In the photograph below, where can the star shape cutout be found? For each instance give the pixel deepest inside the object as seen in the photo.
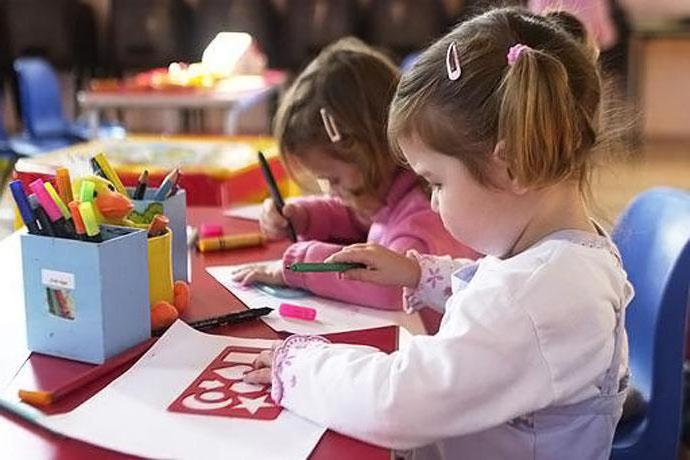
(253, 404)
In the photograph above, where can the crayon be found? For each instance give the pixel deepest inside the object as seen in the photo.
(142, 183)
(166, 186)
(230, 242)
(158, 225)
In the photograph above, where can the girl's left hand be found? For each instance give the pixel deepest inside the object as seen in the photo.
(268, 274)
(262, 369)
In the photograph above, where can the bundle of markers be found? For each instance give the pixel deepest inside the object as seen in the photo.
(44, 211)
(168, 187)
(50, 212)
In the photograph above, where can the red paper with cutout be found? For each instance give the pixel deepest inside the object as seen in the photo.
(219, 390)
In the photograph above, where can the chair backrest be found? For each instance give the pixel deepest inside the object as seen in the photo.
(653, 236)
(405, 26)
(40, 98)
(256, 17)
(151, 33)
(310, 25)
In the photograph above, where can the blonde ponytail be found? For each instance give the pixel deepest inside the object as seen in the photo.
(538, 120)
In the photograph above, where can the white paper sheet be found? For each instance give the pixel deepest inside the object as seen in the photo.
(130, 415)
(332, 315)
(248, 212)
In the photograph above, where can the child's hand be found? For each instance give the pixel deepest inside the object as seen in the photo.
(275, 226)
(262, 368)
(383, 265)
(268, 274)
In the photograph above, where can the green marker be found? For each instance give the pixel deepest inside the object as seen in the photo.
(324, 267)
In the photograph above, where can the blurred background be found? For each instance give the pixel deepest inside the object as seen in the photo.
(110, 60)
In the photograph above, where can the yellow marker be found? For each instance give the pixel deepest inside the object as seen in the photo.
(89, 218)
(110, 173)
(223, 243)
(58, 201)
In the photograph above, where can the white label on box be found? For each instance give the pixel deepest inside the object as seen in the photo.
(57, 280)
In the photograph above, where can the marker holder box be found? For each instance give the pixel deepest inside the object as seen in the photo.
(86, 301)
(175, 209)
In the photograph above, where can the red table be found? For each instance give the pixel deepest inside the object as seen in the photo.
(19, 439)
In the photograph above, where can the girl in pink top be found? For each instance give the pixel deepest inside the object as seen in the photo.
(332, 125)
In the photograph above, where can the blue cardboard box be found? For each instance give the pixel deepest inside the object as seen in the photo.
(86, 301)
(175, 209)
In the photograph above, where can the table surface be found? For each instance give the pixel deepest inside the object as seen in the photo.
(19, 439)
(222, 97)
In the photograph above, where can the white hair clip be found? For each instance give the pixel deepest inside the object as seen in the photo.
(329, 126)
(453, 62)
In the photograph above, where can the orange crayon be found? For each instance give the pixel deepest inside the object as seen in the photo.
(223, 243)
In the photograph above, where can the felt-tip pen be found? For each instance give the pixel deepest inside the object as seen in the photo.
(323, 267)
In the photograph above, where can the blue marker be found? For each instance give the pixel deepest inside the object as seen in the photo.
(24, 207)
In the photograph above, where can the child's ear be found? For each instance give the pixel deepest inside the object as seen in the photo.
(503, 177)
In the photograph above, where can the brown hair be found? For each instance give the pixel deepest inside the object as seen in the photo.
(355, 85)
(545, 107)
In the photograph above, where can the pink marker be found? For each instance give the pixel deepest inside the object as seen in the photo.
(45, 200)
(295, 311)
(210, 231)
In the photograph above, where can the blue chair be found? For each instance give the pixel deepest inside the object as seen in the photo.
(8, 157)
(653, 236)
(45, 125)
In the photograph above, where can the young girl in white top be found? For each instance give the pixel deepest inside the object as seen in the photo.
(501, 116)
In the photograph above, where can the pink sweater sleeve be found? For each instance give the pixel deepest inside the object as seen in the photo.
(328, 219)
(331, 286)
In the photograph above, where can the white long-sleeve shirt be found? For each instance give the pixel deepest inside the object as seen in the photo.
(529, 332)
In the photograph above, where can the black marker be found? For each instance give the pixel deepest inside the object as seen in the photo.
(275, 193)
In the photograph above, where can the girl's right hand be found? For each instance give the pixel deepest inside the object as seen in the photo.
(383, 265)
(275, 226)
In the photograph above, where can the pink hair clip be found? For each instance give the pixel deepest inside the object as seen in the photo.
(453, 62)
(515, 51)
(329, 126)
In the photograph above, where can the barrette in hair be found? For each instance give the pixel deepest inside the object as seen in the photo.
(515, 51)
(329, 126)
(453, 62)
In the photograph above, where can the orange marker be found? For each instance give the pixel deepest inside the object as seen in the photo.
(76, 218)
(223, 243)
(64, 184)
(158, 225)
